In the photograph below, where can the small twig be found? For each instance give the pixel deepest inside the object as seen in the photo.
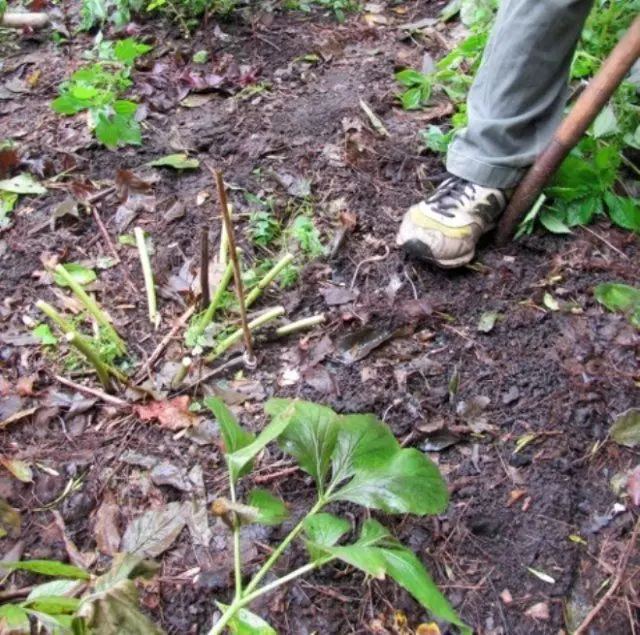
(204, 268)
(154, 316)
(229, 341)
(12, 594)
(226, 219)
(98, 196)
(266, 478)
(94, 392)
(582, 629)
(104, 232)
(387, 251)
(184, 318)
(231, 364)
(606, 242)
(304, 323)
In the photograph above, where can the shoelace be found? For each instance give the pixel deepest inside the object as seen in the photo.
(449, 195)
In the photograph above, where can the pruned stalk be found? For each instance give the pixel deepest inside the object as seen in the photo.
(224, 240)
(92, 306)
(181, 373)
(304, 323)
(92, 356)
(64, 325)
(236, 336)
(268, 278)
(154, 316)
(226, 218)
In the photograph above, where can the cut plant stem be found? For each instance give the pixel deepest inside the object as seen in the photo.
(181, 373)
(226, 218)
(224, 240)
(268, 279)
(154, 316)
(204, 267)
(92, 356)
(64, 325)
(304, 323)
(92, 306)
(229, 341)
(236, 544)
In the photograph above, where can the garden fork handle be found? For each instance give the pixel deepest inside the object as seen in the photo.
(570, 131)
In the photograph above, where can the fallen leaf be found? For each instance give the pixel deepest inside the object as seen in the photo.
(10, 520)
(176, 211)
(515, 495)
(18, 468)
(68, 207)
(75, 557)
(106, 529)
(357, 345)
(625, 429)
(335, 296)
(24, 385)
(472, 412)
(197, 100)
(155, 531)
(127, 181)
(22, 184)
(198, 517)
(176, 161)
(487, 321)
(169, 474)
(172, 414)
(538, 611)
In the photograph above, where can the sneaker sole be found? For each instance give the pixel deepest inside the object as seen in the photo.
(417, 249)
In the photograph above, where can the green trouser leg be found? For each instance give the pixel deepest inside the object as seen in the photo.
(519, 94)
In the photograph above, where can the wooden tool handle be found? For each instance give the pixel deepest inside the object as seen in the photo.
(570, 131)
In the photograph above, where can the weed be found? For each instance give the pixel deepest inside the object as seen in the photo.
(620, 297)
(264, 227)
(96, 89)
(339, 7)
(74, 601)
(352, 458)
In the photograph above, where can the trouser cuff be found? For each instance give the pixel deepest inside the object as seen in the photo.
(481, 173)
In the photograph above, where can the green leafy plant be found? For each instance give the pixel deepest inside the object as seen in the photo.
(96, 89)
(99, 12)
(339, 7)
(353, 458)
(76, 602)
(304, 232)
(620, 297)
(264, 226)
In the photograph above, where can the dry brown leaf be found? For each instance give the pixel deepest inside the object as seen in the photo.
(515, 495)
(24, 385)
(8, 160)
(107, 530)
(172, 414)
(539, 611)
(84, 561)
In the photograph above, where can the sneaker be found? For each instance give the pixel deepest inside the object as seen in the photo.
(445, 227)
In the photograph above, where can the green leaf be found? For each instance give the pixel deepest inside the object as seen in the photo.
(112, 130)
(624, 211)
(606, 123)
(245, 622)
(411, 98)
(67, 104)
(405, 568)
(127, 50)
(80, 274)
(125, 566)
(18, 468)
(238, 459)
(44, 334)
(582, 211)
(409, 77)
(200, 57)
(22, 184)
(176, 161)
(235, 437)
(55, 588)
(323, 530)
(52, 604)
(271, 510)
(14, 619)
(364, 443)
(48, 567)
(435, 139)
(575, 178)
(125, 107)
(618, 296)
(409, 483)
(59, 624)
(626, 428)
(552, 222)
(310, 438)
(633, 140)
(487, 321)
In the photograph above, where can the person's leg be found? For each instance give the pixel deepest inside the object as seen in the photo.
(519, 94)
(514, 106)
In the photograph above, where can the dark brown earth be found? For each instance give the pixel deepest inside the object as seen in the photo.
(559, 375)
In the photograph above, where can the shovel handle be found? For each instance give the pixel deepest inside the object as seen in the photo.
(570, 131)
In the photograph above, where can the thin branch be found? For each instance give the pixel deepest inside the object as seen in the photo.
(94, 392)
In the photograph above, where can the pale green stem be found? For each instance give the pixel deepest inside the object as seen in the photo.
(75, 339)
(268, 279)
(154, 317)
(305, 323)
(181, 373)
(236, 336)
(224, 241)
(92, 306)
(236, 544)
